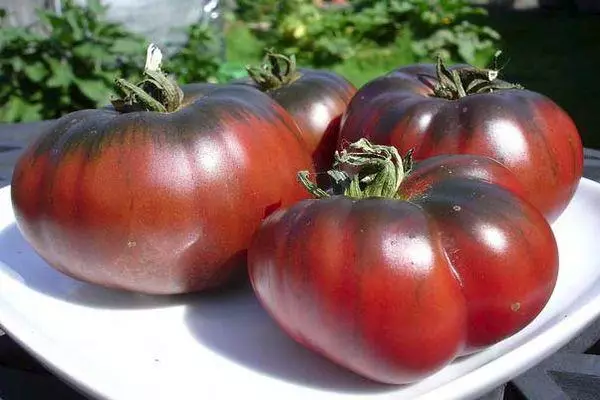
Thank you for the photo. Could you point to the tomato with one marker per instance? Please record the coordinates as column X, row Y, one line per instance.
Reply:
column 430, row 110
column 316, row 99
column 158, row 202
column 401, row 274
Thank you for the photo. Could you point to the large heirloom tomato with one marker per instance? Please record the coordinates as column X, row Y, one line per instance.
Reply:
column 463, row 110
column 316, row 99
column 398, row 277
column 158, row 202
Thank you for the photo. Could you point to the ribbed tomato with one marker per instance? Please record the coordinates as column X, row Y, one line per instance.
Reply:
column 402, row 274
column 463, row 110
column 315, row 98
column 158, row 202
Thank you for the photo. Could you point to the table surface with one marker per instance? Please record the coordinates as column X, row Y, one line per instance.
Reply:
column 571, row 373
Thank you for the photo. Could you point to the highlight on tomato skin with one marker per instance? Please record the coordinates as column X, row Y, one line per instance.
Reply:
column 435, row 110
column 158, row 195
column 399, row 267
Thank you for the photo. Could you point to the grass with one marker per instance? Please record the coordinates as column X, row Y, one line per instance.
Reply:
column 554, row 53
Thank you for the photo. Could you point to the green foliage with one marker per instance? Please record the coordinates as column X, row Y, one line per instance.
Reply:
column 200, row 59
column 370, row 63
column 69, row 67
column 72, row 64
column 323, row 37
column 256, row 11
column 317, row 37
column 466, row 41
column 443, row 27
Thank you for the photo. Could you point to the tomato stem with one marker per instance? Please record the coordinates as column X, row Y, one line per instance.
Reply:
column 312, row 187
column 364, row 170
column 277, row 70
column 156, row 92
column 467, row 80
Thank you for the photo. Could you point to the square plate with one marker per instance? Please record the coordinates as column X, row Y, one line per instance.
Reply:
column 124, row 346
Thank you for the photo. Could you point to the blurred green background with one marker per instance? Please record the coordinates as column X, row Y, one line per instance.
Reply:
column 69, row 59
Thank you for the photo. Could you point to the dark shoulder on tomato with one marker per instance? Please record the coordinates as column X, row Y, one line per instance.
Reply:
column 244, row 102
column 420, row 77
column 313, row 85
column 91, row 130
column 428, row 174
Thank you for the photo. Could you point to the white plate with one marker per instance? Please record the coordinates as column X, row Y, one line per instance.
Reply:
column 121, row 346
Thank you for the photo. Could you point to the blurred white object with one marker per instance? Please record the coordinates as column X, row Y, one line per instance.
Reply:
column 153, row 58
column 163, row 22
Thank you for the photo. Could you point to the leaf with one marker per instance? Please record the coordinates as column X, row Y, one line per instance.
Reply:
column 492, row 33
column 44, row 17
column 130, row 45
column 17, row 63
column 466, row 50
column 401, row 7
column 88, row 51
column 57, row 22
column 36, row 72
column 62, row 75
column 13, row 110
column 96, row 7
column 95, row 90
column 76, row 30
column 31, row 112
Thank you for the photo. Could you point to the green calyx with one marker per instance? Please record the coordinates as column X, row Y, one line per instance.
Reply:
column 277, row 70
column 364, row 170
column 464, row 81
column 156, row 92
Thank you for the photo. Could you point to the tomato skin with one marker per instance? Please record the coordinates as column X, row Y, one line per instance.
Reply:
column 395, row 290
column 158, row 203
column 317, row 100
column 524, row 130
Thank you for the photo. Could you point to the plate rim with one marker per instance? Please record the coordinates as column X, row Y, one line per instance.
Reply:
column 477, row 381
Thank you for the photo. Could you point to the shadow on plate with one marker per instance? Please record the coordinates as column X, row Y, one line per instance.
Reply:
column 234, row 325
column 19, row 260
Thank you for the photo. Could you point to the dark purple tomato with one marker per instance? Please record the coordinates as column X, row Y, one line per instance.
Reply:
column 404, row 272
column 461, row 110
column 158, row 202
